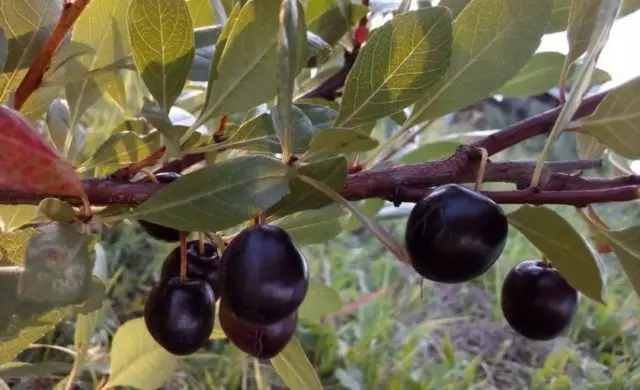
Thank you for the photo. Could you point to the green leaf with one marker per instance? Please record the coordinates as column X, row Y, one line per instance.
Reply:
column 312, row 226
column 94, row 301
column 26, row 24
column 302, row 196
column 582, row 20
column 250, row 54
column 369, row 208
column 218, row 196
column 162, row 44
column 4, row 48
column 13, row 246
column 14, row 216
column 326, row 18
column 565, row 248
column 295, row 369
column 56, row 210
column 137, row 360
column 57, row 265
column 320, row 301
column 559, row 16
column 30, row 333
column 626, row 246
column 102, row 26
column 334, row 141
column 322, row 117
column 401, row 61
column 124, row 148
column 589, row 147
column 153, row 113
column 257, row 134
column 302, row 130
column 317, row 48
column 616, row 121
column 201, row 12
column 484, row 53
column 431, row 151
column 21, row 369
column 456, row 6
column 539, row 75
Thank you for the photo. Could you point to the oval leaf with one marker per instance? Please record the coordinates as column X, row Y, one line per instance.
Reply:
column 626, row 245
column 401, row 60
column 295, row 369
column 616, row 120
column 125, row 148
column 162, row 44
column 29, row 164
column 320, row 301
column 540, row 74
column 334, row 141
column 484, row 53
column 565, row 248
column 583, row 15
column 312, row 226
column 137, row 360
column 218, row 196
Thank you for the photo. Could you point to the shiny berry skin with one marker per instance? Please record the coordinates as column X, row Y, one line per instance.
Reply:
column 179, row 314
column 537, row 301
column 205, row 266
column 454, row 234
column 259, row 341
column 159, row 232
column 264, row 276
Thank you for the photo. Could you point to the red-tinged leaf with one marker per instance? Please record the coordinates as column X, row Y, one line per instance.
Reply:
column 29, row 164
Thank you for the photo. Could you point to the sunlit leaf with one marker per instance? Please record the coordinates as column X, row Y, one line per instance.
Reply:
column 29, row 164
column 13, row 246
column 539, row 75
column 56, row 210
column 312, row 226
column 588, row 147
column 218, row 196
column 320, row 301
column 14, row 216
column 582, row 20
column 401, row 61
column 334, row 141
column 295, row 369
column 124, row 148
column 455, row 6
column 616, row 120
column 484, row 53
column 326, row 18
column 137, row 360
column 162, row 43
column 565, row 248
column 201, row 12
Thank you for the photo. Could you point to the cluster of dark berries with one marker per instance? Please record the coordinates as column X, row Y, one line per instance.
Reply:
column 454, row 235
column 260, row 280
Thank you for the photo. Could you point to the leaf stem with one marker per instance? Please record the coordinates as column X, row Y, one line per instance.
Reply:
column 599, row 37
column 183, row 255
column 384, row 236
column 484, row 157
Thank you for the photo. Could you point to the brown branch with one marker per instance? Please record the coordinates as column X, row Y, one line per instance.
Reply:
column 32, row 80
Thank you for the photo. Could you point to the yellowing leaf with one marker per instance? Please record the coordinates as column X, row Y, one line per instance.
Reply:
column 565, row 248
column 137, row 360
column 492, row 41
column 616, row 120
column 401, row 61
column 218, row 196
column 295, row 369
column 162, row 44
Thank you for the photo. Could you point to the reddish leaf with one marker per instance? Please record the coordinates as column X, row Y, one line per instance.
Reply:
column 29, row 164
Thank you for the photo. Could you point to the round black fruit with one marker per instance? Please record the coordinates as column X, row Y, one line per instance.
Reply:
column 156, row 231
column 180, row 314
column 203, row 266
column 537, row 301
column 259, row 341
column 264, row 276
column 455, row 234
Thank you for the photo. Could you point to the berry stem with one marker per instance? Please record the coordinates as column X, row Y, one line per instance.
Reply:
column 484, row 157
column 150, row 176
column 183, row 255
column 201, row 243
column 545, row 261
column 596, row 218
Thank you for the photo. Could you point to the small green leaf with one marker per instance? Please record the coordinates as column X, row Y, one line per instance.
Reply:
column 218, row 196
column 312, row 226
column 565, row 248
column 137, row 360
column 626, row 245
column 540, row 74
column 302, row 196
column 302, row 130
column 56, row 210
column 589, row 147
column 162, row 43
column 616, row 121
column 320, row 301
column 484, row 53
column 368, row 207
column 14, row 216
column 124, row 148
column 322, row 117
column 257, row 134
column 153, row 113
column 431, row 151
column 401, row 61
column 334, row 141
column 57, row 265
column 295, row 369
column 250, row 54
